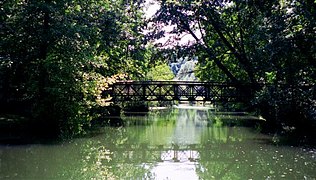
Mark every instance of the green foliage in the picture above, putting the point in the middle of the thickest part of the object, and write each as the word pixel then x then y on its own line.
pixel 160 72
pixel 58 56
pixel 288 106
pixel 245 40
pixel 271 42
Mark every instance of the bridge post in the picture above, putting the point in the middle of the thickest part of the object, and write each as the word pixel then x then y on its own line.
pixel 144 92
pixel 191 92
pixel 176 153
pixel 159 98
pixel 206 92
pixel 113 94
pixel 128 87
pixel 176 92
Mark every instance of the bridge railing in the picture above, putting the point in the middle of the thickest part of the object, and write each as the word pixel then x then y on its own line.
pixel 179 91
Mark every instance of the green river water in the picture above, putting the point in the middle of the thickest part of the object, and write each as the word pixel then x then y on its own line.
pixel 179 143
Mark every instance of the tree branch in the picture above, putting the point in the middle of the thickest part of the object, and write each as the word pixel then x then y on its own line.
pixel 241 58
pixel 208 50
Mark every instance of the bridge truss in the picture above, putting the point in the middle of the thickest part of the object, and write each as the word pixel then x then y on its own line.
pixel 179 91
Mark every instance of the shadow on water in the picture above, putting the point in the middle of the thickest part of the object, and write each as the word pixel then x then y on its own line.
pixel 19 130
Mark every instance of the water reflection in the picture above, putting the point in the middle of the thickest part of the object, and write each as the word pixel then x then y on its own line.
pixel 180 143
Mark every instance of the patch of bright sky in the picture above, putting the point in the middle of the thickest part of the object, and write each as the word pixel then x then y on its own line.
pixel 151 7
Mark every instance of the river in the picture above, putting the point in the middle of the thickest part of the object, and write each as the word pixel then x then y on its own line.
pixel 178 143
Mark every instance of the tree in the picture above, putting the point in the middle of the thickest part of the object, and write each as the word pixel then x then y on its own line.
pixel 160 72
pixel 58 56
pixel 270 42
pixel 236 35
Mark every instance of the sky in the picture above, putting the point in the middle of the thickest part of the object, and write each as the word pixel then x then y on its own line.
pixel 151 8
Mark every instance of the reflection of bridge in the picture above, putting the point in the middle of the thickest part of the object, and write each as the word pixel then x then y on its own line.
pixel 179 91
pixel 158 153
pixel 173 153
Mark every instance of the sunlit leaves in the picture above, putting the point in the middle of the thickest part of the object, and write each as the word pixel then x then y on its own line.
pixel 63 54
pixel 94 84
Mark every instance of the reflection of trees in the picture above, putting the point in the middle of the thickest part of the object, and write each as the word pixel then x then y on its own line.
pixel 218 152
pixel 105 160
pixel 123 153
pixel 237 153
pixel 245 160
pixel 157 129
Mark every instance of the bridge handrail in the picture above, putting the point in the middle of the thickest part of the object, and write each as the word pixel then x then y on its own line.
pixel 180 83
pixel 215 83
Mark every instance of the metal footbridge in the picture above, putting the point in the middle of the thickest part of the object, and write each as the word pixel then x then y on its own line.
pixel 179 91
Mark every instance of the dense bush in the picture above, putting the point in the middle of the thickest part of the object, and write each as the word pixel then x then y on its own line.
pixel 287 108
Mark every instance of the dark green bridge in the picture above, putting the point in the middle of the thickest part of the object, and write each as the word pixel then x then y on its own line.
pixel 179 91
